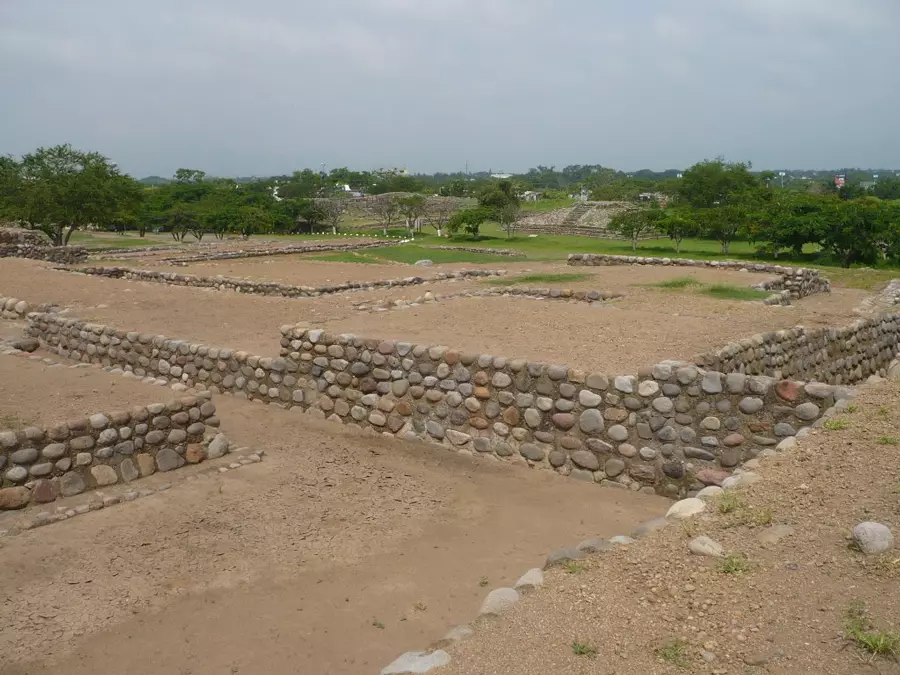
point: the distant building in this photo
(501, 176)
(532, 196)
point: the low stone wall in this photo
(63, 255)
(18, 235)
(15, 309)
(799, 282)
(672, 428)
(563, 294)
(41, 464)
(477, 249)
(277, 250)
(272, 288)
(837, 355)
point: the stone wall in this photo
(272, 288)
(40, 464)
(672, 428)
(836, 355)
(482, 249)
(63, 255)
(18, 235)
(260, 251)
(15, 309)
(799, 282)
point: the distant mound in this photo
(586, 219)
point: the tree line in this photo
(725, 202)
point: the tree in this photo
(470, 220)
(63, 189)
(677, 224)
(189, 176)
(633, 223)
(791, 221)
(333, 210)
(715, 183)
(386, 208)
(311, 211)
(412, 208)
(507, 216)
(498, 195)
(856, 231)
(438, 211)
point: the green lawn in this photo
(409, 253)
(346, 257)
(722, 291)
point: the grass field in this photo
(722, 291)
(539, 279)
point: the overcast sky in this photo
(264, 87)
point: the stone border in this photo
(272, 288)
(15, 309)
(41, 464)
(476, 249)
(842, 355)
(500, 600)
(798, 282)
(566, 294)
(61, 255)
(240, 457)
(282, 250)
(670, 429)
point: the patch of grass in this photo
(883, 411)
(410, 254)
(678, 283)
(729, 502)
(852, 408)
(674, 652)
(377, 624)
(345, 256)
(836, 424)
(888, 440)
(483, 581)
(539, 279)
(761, 517)
(732, 292)
(583, 649)
(574, 567)
(860, 630)
(733, 563)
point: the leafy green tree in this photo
(312, 213)
(62, 190)
(790, 221)
(677, 224)
(715, 183)
(634, 223)
(470, 220)
(498, 195)
(857, 231)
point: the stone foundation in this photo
(62, 255)
(261, 251)
(672, 429)
(272, 288)
(837, 355)
(798, 282)
(41, 464)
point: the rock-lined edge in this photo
(796, 282)
(259, 251)
(271, 288)
(238, 459)
(874, 536)
(564, 294)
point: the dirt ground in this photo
(786, 614)
(37, 394)
(647, 325)
(336, 553)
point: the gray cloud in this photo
(265, 87)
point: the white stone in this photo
(533, 578)
(873, 538)
(706, 547)
(710, 492)
(417, 662)
(498, 601)
(686, 508)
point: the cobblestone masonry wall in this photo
(672, 428)
(40, 464)
(272, 288)
(63, 255)
(15, 309)
(837, 355)
(798, 281)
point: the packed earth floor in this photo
(648, 325)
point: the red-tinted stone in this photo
(787, 390)
(711, 476)
(194, 453)
(44, 491)
(733, 440)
